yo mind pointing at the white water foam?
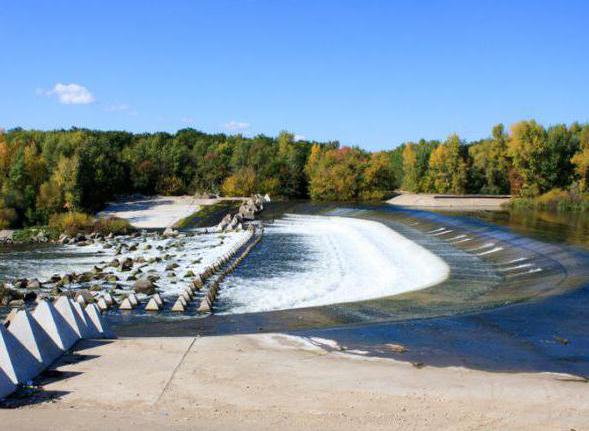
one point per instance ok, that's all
(345, 260)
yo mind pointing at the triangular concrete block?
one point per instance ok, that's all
(126, 305)
(34, 338)
(6, 385)
(178, 305)
(133, 300)
(55, 325)
(152, 305)
(87, 329)
(10, 316)
(102, 304)
(158, 299)
(65, 308)
(17, 362)
(98, 322)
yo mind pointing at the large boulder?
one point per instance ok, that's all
(144, 286)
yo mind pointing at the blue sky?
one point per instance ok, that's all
(367, 73)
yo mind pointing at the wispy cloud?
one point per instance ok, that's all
(117, 107)
(300, 138)
(237, 126)
(71, 94)
(188, 120)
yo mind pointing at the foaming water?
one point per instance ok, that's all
(328, 260)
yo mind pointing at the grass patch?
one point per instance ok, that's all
(208, 215)
(554, 200)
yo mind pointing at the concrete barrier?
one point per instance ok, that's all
(178, 306)
(152, 305)
(90, 328)
(126, 305)
(17, 362)
(55, 325)
(158, 299)
(133, 299)
(34, 338)
(6, 385)
(96, 321)
(64, 307)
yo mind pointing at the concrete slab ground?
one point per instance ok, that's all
(269, 382)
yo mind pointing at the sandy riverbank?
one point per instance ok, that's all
(278, 382)
(155, 211)
(450, 202)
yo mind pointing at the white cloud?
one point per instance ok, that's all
(300, 138)
(237, 126)
(71, 94)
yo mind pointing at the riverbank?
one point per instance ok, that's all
(151, 212)
(264, 381)
(451, 202)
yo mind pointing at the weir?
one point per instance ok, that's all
(490, 267)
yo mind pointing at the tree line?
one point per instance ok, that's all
(49, 172)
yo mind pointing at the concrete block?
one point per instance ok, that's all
(158, 299)
(6, 385)
(55, 325)
(186, 297)
(80, 300)
(91, 330)
(97, 322)
(35, 339)
(126, 305)
(133, 299)
(65, 308)
(102, 304)
(10, 317)
(17, 362)
(152, 305)
(178, 306)
(109, 299)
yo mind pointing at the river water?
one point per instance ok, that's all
(499, 291)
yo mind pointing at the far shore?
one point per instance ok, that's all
(451, 202)
(151, 212)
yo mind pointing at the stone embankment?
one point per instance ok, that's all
(247, 212)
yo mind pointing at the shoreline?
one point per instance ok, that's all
(451, 202)
(260, 381)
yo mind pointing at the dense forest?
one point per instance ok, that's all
(48, 172)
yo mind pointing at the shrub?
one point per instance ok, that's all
(71, 223)
(114, 225)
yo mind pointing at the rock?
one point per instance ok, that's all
(6, 235)
(170, 233)
(144, 286)
(396, 348)
(16, 303)
(30, 297)
(86, 295)
(127, 264)
(7, 295)
(171, 266)
(111, 278)
(224, 222)
(86, 277)
(189, 274)
(115, 263)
